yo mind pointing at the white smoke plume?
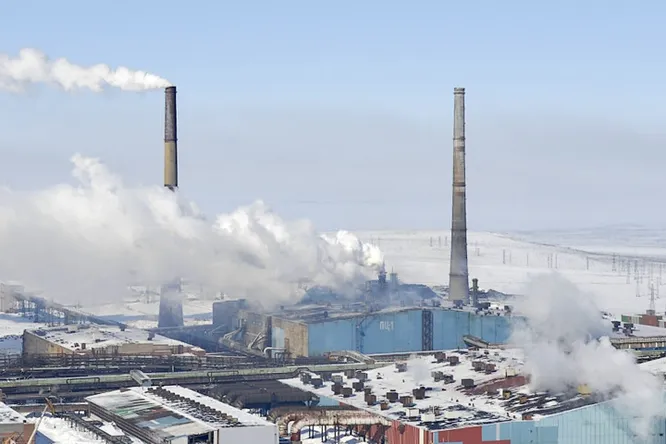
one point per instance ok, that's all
(419, 368)
(566, 345)
(33, 66)
(86, 243)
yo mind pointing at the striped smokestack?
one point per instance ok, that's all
(170, 139)
(458, 276)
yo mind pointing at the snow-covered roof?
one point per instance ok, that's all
(173, 411)
(497, 391)
(93, 336)
(10, 416)
(62, 431)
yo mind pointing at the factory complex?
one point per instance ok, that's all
(315, 331)
(152, 415)
(475, 397)
(94, 340)
(390, 362)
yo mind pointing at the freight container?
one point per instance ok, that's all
(650, 320)
(625, 318)
(636, 319)
(662, 323)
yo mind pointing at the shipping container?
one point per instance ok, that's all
(636, 319)
(625, 318)
(662, 323)
(650, 320)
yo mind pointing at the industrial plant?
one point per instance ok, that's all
(388, 362)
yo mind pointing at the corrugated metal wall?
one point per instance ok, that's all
(449, 326)
(596, 424)
(290, 335)
(41, 439)
(602, 424)
(399, 331)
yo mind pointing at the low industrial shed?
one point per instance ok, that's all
(393, 331)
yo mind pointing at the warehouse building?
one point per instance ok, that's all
(102, 341)
(316, 330)
(478, 398)
(14, 427)
(177, 415)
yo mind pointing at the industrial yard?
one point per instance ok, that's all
(401, 358)
(128, 315)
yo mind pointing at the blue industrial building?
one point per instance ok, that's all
(389, 331)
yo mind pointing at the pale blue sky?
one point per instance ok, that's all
(341, 111)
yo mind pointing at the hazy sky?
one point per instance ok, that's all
(341, 111)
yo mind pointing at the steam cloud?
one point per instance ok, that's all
(33, 66)
(87, 243)
(566, 345)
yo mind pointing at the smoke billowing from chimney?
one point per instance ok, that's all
(170, 139)
(458, 275)
(33, 66)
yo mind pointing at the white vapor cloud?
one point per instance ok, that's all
(33, 66)
(86, 243)
(566, 344)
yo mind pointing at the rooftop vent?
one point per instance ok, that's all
(361, 376)
(347, 392)
(358, 386)
(467, 382)
(392, 396)
(440, 357)
(453, 360)
(419, 393)
(384, 405)
(401, 367)
(407, 400)
(371, 399)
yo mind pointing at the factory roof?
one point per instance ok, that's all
(10, 416)
(173, 411)
(63, 431)
(73, 336)
(496, 392)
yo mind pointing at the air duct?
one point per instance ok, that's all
(458, 275)
(170, 139)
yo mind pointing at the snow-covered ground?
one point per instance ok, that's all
(595, 260)
(11, 329)
(506, 262)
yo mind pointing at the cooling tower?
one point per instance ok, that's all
(171, 305)
(458, 275)
(170, 139)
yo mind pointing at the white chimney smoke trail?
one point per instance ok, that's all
(33, 66)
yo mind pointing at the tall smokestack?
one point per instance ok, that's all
(458, 275)
(170, 140)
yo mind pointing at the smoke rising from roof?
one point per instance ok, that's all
(86, 243)
(566, 345)
(33, 66)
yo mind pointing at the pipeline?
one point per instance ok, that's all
(328, 417)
